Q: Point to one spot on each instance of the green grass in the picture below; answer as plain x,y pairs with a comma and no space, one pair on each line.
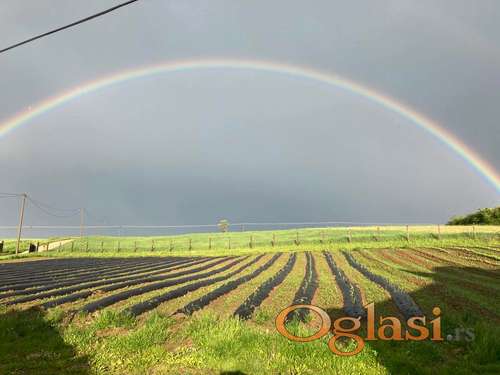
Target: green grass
205,344
210,342
284,240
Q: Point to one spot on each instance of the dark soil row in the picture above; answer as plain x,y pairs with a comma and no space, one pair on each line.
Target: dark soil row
110,300
150,304
100,275
201,302
37,275
305,293
246,309
171,295
60,289
353,302
143,280
401,299
53,267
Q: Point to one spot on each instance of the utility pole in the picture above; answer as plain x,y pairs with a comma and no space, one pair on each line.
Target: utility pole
21,218
81,222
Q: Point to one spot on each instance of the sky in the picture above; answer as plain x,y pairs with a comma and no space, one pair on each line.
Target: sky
195,147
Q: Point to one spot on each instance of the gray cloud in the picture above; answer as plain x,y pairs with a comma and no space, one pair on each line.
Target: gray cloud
194,147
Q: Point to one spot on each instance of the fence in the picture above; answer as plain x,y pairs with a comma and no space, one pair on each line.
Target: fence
327,236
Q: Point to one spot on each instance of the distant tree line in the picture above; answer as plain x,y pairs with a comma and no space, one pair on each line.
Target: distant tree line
483,216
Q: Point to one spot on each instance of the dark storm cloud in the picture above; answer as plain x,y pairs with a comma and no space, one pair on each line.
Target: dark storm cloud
194,147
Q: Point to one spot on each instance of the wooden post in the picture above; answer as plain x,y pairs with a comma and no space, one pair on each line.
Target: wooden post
209,243
102,246
118,249
439,232
190,244
297,242
378,233
349,235
135,246
474,231
251,242
86,246
322,237
59,248
20,227
81,222
38,245
152,245
273,241
407,233
171,245
229,243
72,246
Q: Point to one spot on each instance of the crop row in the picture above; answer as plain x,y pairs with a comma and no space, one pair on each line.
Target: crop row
61,288
97,284
305,293
72,279
246,309
401,299
353,303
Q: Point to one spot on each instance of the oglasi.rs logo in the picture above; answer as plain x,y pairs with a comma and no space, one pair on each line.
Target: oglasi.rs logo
390,328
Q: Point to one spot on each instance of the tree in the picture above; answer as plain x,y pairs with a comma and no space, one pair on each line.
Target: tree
223,225
483,216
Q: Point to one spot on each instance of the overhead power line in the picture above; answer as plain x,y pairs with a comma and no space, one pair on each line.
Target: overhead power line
101,220
43,207
7,195
55,208
69,25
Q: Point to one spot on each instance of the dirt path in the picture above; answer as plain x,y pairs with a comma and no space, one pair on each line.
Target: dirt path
53,245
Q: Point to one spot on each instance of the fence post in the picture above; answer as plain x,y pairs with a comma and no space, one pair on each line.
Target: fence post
378,233
209,243
86,246
297,242
229,243
251,242
102,246
474,231
72,245
322,240
190,244
273,241
407,233
439,232
118,250
349,235
135,246
171,245
152,245
59,249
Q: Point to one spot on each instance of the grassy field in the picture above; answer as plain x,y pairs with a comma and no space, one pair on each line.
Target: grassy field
174,312
332,238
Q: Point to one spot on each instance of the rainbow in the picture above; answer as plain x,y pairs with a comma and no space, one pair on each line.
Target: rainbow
476,162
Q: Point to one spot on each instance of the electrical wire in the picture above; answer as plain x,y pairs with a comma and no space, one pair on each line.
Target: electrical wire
7,195
49,207
69,25
95,218
46,211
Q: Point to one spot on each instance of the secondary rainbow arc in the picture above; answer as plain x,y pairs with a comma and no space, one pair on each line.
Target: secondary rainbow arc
467,154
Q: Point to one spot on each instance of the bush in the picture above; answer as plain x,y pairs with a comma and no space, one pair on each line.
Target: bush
483,216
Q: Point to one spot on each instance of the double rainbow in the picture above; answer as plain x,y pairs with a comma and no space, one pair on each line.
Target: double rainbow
476,162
